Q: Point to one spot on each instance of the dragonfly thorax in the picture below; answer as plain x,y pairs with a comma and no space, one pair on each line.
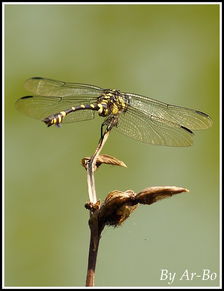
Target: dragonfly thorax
111,102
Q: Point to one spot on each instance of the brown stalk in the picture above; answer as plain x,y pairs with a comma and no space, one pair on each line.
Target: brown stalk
95,230
117,206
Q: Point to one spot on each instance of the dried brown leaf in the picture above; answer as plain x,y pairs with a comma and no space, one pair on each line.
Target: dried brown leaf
117,207
154,194
103,159
106,159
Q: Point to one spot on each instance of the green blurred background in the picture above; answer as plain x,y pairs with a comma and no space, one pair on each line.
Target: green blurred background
168,52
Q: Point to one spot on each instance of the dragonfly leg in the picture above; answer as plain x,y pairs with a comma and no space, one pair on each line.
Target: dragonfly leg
110,122
102,130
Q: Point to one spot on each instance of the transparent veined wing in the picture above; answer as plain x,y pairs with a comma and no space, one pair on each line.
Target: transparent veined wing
189,118
48,87
39,107
51,97
153,130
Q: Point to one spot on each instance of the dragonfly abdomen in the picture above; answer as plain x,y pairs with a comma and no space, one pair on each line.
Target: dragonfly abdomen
56,119
107,104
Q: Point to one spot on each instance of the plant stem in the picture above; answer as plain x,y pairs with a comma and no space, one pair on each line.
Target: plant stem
91,165
95,228
95,234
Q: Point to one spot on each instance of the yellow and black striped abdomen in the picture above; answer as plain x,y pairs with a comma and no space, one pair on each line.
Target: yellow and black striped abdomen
111,103
57,118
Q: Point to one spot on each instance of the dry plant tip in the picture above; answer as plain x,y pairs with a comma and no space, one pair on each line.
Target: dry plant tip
118,205
92,206
154,194
106,159
85,161
103,159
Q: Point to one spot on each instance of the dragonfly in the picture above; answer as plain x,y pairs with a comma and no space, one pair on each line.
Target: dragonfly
139,117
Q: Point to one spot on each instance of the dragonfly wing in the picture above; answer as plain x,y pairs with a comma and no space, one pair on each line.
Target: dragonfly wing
152,129
40,107
186,117
47,87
